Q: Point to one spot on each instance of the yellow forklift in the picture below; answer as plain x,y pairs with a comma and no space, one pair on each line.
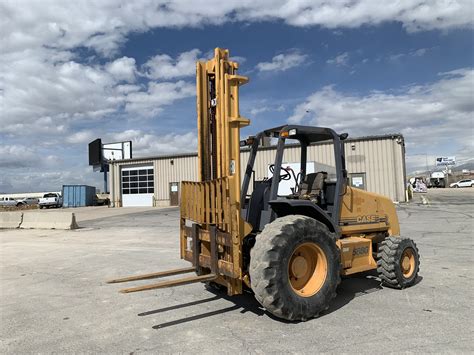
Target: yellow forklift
289,250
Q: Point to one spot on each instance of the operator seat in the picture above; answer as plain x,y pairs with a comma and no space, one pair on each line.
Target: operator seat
311,187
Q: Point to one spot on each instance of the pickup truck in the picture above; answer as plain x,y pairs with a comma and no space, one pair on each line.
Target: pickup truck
52,199
8,201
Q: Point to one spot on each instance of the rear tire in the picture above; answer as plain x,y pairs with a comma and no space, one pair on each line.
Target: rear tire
398,262
295,267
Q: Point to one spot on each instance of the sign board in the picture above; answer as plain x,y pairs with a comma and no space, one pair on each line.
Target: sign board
357,181
95,152
445,161
117,151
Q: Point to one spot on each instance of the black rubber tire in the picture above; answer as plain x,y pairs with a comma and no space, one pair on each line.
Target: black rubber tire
388,262
269,260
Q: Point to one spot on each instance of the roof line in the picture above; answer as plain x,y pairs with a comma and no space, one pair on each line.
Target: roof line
193,154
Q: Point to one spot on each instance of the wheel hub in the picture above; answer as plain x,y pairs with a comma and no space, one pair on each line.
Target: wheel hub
299,267
307,269
407,262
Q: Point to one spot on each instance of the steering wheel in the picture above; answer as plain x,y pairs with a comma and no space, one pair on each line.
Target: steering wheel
285,176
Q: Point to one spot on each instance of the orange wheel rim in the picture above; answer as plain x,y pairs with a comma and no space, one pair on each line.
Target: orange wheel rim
407,262
307,269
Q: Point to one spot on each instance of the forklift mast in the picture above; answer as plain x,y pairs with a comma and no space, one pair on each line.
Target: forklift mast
212,228
218,116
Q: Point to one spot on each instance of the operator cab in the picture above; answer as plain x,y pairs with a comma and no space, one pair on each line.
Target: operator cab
315,194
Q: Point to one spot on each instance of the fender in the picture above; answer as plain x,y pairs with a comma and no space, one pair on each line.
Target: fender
305,208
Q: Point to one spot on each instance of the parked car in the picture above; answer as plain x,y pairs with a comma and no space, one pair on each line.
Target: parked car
52,199
28,201
8,201
463,183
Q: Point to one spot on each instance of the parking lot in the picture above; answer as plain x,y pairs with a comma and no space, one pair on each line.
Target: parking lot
54,298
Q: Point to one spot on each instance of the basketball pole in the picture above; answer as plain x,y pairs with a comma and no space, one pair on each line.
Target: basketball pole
105,166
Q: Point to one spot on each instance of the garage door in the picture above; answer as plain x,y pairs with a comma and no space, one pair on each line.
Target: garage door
137,186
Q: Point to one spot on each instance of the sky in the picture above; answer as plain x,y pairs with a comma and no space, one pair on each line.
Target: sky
74,71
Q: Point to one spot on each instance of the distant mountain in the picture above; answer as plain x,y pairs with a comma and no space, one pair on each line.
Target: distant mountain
469,166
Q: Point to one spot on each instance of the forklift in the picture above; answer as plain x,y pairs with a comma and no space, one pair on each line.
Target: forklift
289,250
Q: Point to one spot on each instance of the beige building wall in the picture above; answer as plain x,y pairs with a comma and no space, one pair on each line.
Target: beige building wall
382,159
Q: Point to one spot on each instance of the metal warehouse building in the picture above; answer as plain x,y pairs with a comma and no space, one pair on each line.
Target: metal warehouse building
375,163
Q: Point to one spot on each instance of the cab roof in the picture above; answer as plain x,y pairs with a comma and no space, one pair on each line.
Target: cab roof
305,134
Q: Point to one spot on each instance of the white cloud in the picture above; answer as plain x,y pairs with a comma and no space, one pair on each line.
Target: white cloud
420,162
151,102
122,69
81,137
283,62
46,88
45,96
414,15
151,144
18,156
262,109
420,52
39,181
238,59
426,115
340,60
107,44
104,25
41,95
162,66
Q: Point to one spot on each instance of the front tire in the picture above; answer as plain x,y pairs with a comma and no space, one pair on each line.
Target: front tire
398,262
295,267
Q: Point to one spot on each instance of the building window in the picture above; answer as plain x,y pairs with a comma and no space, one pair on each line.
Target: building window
139,181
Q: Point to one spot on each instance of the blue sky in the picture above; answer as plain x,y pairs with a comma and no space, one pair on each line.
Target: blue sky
72,72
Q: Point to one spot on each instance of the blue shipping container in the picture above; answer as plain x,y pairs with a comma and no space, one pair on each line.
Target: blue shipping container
78,195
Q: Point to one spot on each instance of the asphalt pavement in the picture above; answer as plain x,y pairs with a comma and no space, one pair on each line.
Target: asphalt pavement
53,295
